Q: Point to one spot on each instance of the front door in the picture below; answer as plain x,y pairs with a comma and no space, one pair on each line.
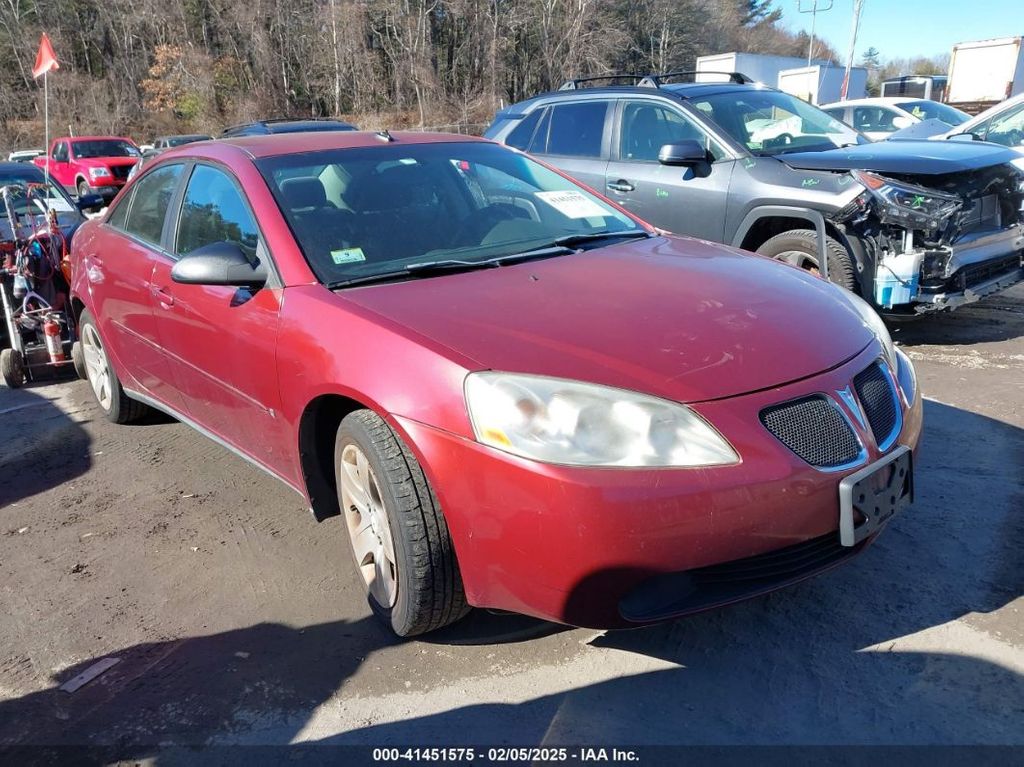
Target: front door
221,341
683,200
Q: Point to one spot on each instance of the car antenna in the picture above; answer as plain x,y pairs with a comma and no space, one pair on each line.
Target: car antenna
384,135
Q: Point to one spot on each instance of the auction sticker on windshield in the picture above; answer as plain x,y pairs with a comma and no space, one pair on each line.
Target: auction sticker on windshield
572,204
347,255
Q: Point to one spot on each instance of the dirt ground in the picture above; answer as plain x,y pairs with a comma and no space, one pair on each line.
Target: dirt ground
237,619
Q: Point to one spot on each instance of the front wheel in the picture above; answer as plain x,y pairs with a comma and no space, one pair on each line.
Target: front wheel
399,537
799,247
83,188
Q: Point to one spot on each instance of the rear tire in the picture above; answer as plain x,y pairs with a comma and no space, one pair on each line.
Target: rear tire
117,406
12,368
399,537
799,247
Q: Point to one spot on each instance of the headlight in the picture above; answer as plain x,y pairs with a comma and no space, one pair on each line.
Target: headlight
98,172
874,323
569,422
906,376
915,207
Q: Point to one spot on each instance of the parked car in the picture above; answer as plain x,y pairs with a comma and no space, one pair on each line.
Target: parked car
911,226
69,214
167,142
879,118
1001,124
515,394
89,165
285,125
24,155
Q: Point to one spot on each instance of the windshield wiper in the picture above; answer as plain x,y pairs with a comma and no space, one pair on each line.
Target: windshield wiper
561,246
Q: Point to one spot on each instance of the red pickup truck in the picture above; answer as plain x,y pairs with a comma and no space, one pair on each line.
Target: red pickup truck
91,164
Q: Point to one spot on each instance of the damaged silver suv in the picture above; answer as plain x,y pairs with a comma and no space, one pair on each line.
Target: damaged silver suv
914,226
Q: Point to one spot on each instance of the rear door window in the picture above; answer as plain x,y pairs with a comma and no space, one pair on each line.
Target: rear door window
573,129
150,202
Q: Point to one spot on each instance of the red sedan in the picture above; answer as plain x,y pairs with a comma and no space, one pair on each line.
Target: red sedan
513,393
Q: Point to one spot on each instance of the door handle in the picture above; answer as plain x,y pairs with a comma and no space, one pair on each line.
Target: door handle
166,299
621,186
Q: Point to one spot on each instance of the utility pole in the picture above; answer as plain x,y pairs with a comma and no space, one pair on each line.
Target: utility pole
858,6
816,7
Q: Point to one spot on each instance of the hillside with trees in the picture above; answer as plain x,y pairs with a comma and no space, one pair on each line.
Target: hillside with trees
145,67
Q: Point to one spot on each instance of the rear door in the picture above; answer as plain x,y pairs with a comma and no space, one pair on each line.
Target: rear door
683,200
574,136
120,265
221,341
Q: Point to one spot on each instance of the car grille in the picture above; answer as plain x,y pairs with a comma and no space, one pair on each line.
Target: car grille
815,430
878,398
121,171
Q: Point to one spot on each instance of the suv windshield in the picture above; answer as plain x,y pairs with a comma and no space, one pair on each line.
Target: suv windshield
925,109
771,122
360,213
104,148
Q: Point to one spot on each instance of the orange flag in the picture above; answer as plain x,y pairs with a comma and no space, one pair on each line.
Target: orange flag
46,59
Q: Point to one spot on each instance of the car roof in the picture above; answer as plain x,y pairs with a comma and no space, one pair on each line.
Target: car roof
678,90
275,145
22,169
73,139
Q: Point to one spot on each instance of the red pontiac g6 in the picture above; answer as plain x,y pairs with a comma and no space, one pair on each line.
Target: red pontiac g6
514,394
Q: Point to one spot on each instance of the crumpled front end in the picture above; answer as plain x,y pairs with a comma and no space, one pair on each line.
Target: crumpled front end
939,241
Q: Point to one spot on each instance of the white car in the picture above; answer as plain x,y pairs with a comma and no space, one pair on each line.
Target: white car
879,118
1001,124
24,155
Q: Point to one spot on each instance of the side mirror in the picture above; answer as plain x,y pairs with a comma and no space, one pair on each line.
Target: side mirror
687,152
219,263
90,202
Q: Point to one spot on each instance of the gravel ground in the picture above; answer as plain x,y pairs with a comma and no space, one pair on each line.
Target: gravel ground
237,619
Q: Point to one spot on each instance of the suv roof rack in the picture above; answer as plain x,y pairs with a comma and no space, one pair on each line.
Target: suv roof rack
577,82
657,80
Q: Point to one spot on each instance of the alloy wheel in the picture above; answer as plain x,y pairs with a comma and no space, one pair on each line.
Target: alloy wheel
97,367
368,527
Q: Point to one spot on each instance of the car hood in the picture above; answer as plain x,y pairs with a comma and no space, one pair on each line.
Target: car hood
909,157
678,318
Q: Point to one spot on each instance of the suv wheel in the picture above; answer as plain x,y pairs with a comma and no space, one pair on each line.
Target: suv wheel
799,247
83,187
399,537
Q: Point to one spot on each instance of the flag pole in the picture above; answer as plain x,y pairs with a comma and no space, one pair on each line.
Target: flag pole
46,129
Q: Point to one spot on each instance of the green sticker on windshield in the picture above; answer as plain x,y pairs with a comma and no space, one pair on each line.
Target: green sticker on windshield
347,255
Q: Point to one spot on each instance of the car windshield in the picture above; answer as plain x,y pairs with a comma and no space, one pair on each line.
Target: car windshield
104,148
771,122
32,196
373,211
926,109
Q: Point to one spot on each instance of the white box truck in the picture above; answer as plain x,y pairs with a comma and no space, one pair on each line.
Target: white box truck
822,83
984,72
758,66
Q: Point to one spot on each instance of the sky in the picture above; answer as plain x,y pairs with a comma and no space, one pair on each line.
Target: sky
908,28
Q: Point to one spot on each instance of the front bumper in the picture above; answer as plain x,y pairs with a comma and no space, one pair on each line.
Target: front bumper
569,544
972,283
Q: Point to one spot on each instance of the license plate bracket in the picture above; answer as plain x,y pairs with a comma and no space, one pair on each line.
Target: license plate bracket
872,496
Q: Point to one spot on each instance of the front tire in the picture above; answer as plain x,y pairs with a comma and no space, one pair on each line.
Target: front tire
799,247
117,406
83,188
399,537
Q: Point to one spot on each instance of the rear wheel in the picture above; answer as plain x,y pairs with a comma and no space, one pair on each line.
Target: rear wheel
799,247
12,368
117,406
399,537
